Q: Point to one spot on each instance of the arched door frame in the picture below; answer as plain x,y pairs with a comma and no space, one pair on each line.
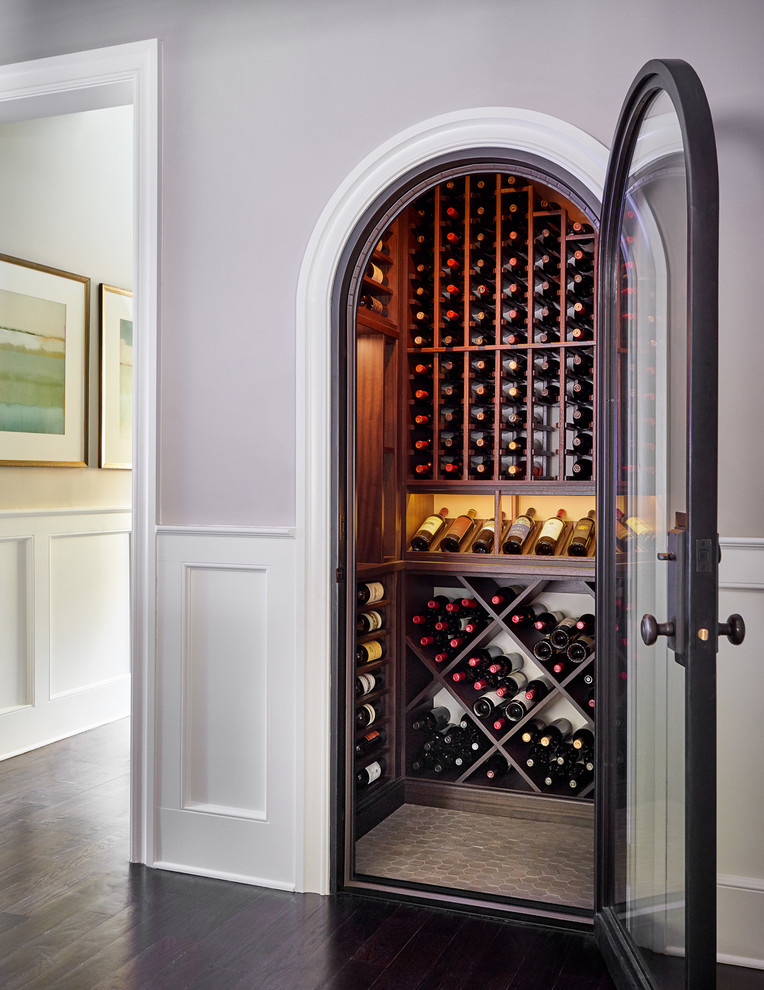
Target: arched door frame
518,131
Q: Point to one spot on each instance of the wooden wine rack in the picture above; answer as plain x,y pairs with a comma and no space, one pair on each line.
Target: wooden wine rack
392,499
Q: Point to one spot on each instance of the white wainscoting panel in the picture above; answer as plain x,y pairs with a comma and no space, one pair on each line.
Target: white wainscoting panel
740,734
89,621
227,664
226,687
16,640
64,623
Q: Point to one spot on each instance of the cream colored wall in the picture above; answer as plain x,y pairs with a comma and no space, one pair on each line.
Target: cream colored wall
66,201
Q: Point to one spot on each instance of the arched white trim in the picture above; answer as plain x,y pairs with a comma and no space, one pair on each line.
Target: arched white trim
561,144
85,81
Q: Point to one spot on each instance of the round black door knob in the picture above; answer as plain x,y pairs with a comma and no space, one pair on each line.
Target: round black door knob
651,629
733,629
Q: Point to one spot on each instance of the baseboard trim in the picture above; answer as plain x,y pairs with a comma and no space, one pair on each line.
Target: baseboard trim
218,875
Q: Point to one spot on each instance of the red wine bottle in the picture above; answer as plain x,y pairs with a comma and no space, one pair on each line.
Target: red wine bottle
374,738
432,719
369,593
555,732
496,767
429,530
370,773
518,533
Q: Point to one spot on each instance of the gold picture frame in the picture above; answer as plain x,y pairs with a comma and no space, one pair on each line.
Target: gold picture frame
116,378
44,324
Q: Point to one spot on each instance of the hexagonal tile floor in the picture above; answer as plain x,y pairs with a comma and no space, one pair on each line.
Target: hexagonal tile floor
466,851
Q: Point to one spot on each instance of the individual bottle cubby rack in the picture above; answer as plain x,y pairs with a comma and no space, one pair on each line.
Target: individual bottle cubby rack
378,288
430,681
502,326
373,685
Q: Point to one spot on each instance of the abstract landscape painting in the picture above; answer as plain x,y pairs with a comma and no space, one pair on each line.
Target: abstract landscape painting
43,364
32,363
116,450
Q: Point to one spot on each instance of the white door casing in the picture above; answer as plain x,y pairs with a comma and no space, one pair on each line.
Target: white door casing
516,130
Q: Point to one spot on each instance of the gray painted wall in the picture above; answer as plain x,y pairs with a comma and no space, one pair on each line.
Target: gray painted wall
266,106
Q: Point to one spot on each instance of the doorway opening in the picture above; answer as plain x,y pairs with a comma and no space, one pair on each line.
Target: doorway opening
465,363
120,80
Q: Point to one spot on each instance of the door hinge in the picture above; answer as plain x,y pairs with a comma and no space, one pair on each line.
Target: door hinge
339,575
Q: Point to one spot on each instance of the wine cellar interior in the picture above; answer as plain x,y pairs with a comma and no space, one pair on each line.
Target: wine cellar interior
469,675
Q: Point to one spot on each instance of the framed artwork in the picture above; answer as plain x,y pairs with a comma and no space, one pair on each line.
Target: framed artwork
44,319
116,312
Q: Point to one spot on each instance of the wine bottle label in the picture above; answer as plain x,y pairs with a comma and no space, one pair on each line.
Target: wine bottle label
375,273
431,525
374,771
552,528
376,592
372,713
520,528
373,621
367,683
373,650
638,526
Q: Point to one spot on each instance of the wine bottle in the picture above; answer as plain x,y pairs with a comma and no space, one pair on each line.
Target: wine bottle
579,363
582,537
504,595
432,719
505,664
517,536
582,417
638,532
563,633
367,622
429,530
481,414
368,774
375,273
370,592
582,469
537,757
581,283
488,704
374,738
580,648
582,443
421,467
483,542
535,691
585,623
580,390
582,738
555,732
496,767
532,730
546,392
514,335
365,715
458,531
546,364
543,650
510,685
369,652
451,466
550,535
545,622
373,304
481,439
438,602
367,683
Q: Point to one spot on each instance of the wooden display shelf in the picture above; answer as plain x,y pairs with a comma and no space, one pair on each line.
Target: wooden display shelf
368,321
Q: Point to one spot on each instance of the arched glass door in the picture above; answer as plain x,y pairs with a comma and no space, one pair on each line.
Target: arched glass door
658,550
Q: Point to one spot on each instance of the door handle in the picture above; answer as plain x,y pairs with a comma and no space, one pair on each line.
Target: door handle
651,629
733,629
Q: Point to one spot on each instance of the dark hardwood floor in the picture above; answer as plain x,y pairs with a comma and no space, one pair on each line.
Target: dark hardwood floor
74,915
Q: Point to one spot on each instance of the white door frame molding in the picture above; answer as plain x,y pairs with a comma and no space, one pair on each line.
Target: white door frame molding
89,80
522,131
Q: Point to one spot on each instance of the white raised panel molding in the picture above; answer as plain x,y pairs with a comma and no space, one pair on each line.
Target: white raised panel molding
226,686
740,807
225,690
82,81
516,130
64,623
16,623
89,610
